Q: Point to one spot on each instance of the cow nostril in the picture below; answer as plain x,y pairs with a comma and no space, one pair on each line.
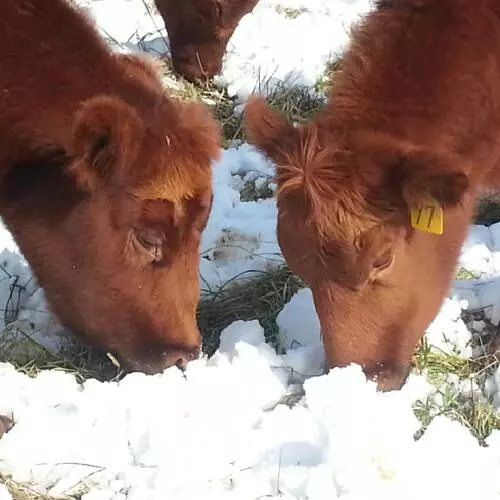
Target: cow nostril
181,364
194,354
186,357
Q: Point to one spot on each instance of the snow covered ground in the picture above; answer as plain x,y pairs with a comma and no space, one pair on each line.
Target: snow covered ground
221,432
249,423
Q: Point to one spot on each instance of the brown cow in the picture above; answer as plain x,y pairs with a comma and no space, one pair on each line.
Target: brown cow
105,184
199,30
413,118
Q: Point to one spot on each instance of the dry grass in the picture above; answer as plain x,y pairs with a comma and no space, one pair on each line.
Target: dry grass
298,103
438,365
290,13
79,360
478,416
20,492
30,358
260,298
86,364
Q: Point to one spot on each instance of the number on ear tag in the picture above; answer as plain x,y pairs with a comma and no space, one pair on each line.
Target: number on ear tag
428,218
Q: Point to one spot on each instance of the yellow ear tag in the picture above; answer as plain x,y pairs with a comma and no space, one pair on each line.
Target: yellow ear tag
428,218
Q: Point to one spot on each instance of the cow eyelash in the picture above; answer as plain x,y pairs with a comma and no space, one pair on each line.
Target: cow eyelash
152,244
149,242
218,10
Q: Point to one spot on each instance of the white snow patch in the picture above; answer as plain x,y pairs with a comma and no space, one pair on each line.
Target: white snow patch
270,47
298,322
240,238
448,332
221,432
4,493
24,311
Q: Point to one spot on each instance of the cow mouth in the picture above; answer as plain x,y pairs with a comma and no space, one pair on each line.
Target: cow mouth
198,63
389,375
158,362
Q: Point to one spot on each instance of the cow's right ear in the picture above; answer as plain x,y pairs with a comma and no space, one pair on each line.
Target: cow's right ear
105,137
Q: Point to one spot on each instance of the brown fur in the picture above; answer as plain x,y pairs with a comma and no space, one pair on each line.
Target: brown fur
414,114
199,30
105,183
5,424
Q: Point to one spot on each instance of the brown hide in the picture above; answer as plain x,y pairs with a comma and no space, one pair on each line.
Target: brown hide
413,115
105,183
5,424
199,30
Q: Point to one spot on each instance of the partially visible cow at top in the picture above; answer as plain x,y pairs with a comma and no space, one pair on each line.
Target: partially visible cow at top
105,184
199,31
413,120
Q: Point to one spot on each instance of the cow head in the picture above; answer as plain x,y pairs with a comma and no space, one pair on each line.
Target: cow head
199,30
111,224
345,200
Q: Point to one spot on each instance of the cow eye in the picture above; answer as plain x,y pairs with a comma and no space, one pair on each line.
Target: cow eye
384,261
151,242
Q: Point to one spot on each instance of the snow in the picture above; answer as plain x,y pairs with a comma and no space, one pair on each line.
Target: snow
481,257
221,432
249,422
241,235
268,47
4,493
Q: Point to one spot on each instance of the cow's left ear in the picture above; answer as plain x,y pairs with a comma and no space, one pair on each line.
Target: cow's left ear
106,133
411,175
421,175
